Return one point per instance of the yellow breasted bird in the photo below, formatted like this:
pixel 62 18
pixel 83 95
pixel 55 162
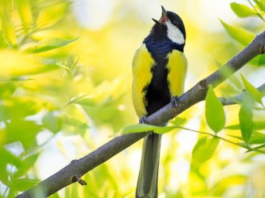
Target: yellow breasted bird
pixel 159 70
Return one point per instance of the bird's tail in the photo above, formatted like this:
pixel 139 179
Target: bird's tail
pixel 148 175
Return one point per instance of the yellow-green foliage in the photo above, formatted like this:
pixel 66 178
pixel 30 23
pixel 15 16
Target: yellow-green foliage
pixel 65 90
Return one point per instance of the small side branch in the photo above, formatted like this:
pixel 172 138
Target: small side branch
pixel 239 98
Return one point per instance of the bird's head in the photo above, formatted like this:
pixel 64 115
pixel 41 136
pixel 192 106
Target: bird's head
pixel 171 24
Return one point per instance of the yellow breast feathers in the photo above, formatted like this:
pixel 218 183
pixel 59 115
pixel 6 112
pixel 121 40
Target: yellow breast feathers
pixel 142 76
pixel 177 69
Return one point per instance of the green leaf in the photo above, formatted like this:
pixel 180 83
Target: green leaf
pixel 261 4
pixel 257 138
pixel 23 131
pixel 165 129
pixel 85 101
pixel 47 44
pixel 226 181
pixel 26 164
pixel 228 73
pixel 178 121
pixel 7 158
pixel 52 122
pixel 51 15
pixel 241 35
pixel 252 90
pixel 6 90
pixel 75 122
pixel 235 136
pixel 242 10
pixel 8 29
pixel 24 10
pixel 24 184
pixel 4 176
pixel 139 128
pixel 214 111
pixel 18 108
pixel 260 60
pixel 245 118
pixel 203 151
pixel 257 125
pixel 56 195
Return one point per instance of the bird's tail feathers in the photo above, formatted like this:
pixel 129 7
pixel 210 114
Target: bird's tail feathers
pixel 148 175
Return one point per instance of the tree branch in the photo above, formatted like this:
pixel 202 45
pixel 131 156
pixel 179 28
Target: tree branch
pixel 239 98
pixel 77 168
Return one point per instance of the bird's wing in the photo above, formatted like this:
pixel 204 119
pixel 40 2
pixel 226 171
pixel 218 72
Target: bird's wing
pixel 177 69
pixel 142 76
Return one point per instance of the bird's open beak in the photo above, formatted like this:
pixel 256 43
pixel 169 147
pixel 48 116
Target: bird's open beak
pixel 163 18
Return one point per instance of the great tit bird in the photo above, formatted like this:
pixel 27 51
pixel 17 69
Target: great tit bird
pixel 159 70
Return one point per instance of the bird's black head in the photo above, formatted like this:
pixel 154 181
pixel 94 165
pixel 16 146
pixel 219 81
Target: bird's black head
pixel 171 25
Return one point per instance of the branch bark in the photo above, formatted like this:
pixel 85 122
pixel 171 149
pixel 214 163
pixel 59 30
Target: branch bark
pixel 77 168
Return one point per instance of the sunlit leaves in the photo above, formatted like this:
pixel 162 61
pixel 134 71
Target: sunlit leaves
pixel 69 120
pixel 51 15
pixel 14 64
pixel 203 151
pixel 246 112
pixel 6 89
pixel 24 9
pixel 18 108
pixel 246 118
pixel 83 100
pixel 22 131
pixel 138 128
pixel 70 66
pixel 178 121
pixel 260 4
pixel 23 184
pixel 26 164
pixel 214 111
pixel 228 181
pixel 257 138
pixel 8 30
pixel 47 44
pixel 258 125
pixel 52 122
pixel 103 100
pixel 26 110
pixel 239 34
pixel 252 90
pixel 7 158
pixel 242 10
pixel 228 73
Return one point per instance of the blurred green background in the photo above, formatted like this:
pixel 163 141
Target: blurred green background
pixel 65 90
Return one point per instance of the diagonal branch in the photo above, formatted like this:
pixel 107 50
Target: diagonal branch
pixel 76 169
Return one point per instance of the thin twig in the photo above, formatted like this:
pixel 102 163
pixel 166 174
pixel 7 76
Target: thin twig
pixel 257 12
pixel 225 140
pixel 210 134
pixel 239 98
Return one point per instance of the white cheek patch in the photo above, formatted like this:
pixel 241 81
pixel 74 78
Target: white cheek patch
pixel 174 34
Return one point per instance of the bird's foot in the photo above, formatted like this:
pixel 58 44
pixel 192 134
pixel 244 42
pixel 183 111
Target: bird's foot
pixel 175 101
pixel 143 120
